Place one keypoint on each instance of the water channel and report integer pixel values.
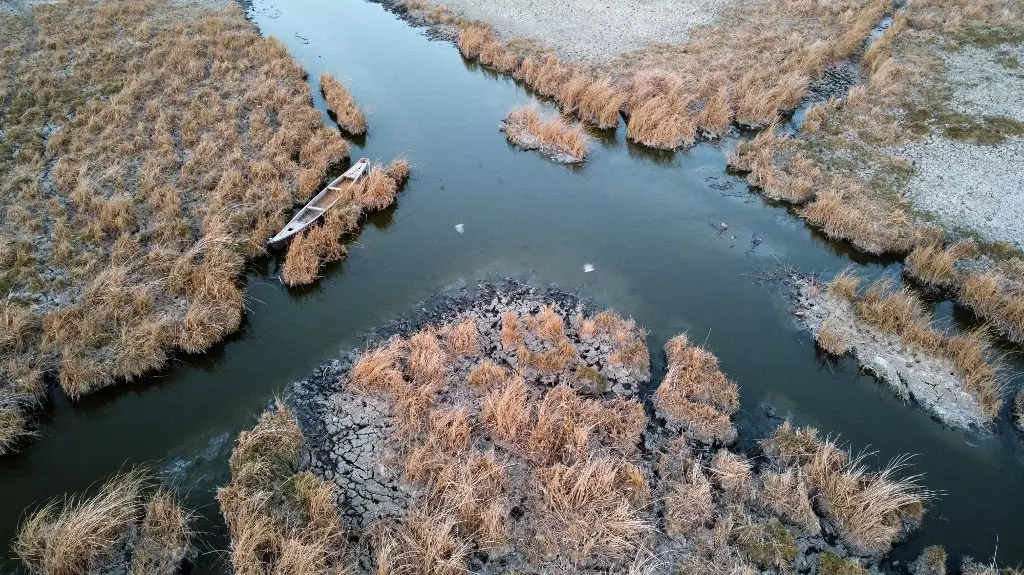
(649, 224)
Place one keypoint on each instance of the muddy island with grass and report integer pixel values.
(552, 136)
(501, 430)
(954, 377)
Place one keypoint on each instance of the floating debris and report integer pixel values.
(460, 228)
(587, 268)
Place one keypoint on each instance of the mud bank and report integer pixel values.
(530, 452)
(914, 375)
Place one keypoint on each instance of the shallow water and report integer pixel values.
(643, 220)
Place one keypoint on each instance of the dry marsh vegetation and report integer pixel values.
(539, 473)
(341, 103)
(750, 66)
(844, 170)
(323, 243)
(126, 521)
(149, 149)
(552, 135)
(281, 520)
(695, 397)
(899, 312)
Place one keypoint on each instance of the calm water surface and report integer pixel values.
(643, 220)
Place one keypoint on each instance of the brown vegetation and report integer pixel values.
(900, 312)
(695, 397)
(321, 244)
(550, 479)
(139, 179)
(76, 535)
(280, 520)
(752, 65)
(524, 126)
(850, 184)
(871, 510)
(341, 103)
(831, 339)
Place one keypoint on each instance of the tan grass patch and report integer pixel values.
(65, 537)
(831, 338)
(550, 132)
(341, 103)
(179, 138)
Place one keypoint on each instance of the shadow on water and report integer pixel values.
(644, 219)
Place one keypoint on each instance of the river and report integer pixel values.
(648, 223)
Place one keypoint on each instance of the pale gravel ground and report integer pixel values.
(985, 86)
(595, 31)
(979, 188)
(968, 186)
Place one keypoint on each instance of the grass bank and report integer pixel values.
(150, 150)
(859, 169)
(750, 66)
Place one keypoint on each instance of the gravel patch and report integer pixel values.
(968, 186)
(988, 82)
(595, 32)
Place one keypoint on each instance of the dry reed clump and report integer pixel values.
(628, 341)
(321, 244)
(483, 443)
(89, 534)
(831, 338)
(552, 135)
(174, 141)
(870, 510)
(900, 312)
(695, 397)
(505, 463)
(341, 103)
(281, 520)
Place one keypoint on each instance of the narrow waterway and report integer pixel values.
(649, 223)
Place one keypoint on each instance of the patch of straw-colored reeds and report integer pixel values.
(341, 103)
(871, 509)
(74, 535)
(550, 133)
(695, 395)
(180, 138)
(899, 312)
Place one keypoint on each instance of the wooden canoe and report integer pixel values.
(318, 206)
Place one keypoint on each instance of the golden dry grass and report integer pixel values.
(586, 510)
(831, 338)
(695, 395)
(842, 164)
(899, 311)
(309, 251)
(280, 520)
(178, 138)
(550, 133)
(76, 534)
(869, 508)
(504, 464)
(753, 64)
(341, 103)
(65, 537)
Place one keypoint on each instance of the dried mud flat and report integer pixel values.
(928, 380)
(500, 430)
